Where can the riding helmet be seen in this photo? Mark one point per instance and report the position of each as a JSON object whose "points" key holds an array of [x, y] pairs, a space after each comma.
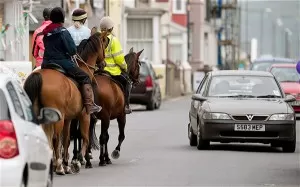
{"points": [[79, 14], [57, 15], [106, 23], [46, 13]]}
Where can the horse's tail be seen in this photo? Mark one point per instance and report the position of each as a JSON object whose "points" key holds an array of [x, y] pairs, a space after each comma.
{"points": [[94, 143], [33, 88]]}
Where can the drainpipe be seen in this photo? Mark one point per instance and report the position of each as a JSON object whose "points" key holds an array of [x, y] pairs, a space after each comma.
{"points": [[188, 29], [220, 49]]}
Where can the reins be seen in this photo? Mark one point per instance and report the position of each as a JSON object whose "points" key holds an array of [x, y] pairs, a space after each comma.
{"points": [[78, 57]]}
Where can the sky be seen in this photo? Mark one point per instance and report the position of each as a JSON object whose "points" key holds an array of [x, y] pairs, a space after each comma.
{"points": [[263, 15]]}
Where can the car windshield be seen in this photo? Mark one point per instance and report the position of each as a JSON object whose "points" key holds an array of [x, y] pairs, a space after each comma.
{"points": [[144, 70], [286, 74], [264, 66], [4, 111], [244, 86]]}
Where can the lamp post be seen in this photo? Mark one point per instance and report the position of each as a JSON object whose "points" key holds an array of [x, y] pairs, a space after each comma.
{"points": [[266, 10]]}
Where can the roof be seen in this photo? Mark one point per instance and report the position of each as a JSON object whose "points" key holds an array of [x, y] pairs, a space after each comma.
{"points": [[284, 65], [269, 59], [241, 73]]}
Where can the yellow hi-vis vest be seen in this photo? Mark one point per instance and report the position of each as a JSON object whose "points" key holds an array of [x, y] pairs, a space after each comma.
{"points": [[114, 57]]}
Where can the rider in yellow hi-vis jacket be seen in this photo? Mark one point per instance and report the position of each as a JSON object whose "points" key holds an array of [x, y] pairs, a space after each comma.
{"points": [[115, 61]]}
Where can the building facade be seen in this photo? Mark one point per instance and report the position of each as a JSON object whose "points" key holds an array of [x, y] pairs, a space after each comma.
{"points": [[202, 36], [14, 24]]}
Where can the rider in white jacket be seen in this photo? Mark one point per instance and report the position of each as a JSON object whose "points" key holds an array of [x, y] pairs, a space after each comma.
{"points": [[78, 31]]}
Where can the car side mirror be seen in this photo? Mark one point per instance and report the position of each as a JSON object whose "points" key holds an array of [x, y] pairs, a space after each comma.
{"points": [[198, 97], [289, 98], [49, 116], [159, 77]]}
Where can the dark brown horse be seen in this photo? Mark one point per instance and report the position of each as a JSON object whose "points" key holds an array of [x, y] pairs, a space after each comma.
{"points": [[52, 88], [110, 96]]}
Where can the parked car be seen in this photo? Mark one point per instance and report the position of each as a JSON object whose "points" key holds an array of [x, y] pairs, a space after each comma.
{"points": [[289, 79], [25, 155], [264, 63], [147, 92], [241, 106]]}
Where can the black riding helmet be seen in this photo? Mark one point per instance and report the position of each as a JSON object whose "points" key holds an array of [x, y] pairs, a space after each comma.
{"points": [[46, 13], [57, 15]]}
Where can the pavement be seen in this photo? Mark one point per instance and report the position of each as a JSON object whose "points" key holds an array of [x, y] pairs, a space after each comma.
{"points": [[156, 152]]}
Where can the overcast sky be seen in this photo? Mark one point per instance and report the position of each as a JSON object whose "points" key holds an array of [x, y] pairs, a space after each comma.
{"points": [[286, 10]]}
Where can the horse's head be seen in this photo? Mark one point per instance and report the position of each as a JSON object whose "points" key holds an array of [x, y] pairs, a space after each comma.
{"points": [[92, 50], [133, 65]]}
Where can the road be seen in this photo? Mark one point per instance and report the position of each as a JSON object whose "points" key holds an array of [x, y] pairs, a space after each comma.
{"points": [[156, 153]]}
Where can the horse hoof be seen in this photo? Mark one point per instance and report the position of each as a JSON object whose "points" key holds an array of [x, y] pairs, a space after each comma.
{"points": [[115, 154], [82, 162], [68, 170], [108, 162], [90, 156], [88, 166], [60, 172], [101, 163], [75, 167]]}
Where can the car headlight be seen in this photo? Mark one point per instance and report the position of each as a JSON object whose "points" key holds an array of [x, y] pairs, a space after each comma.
{"points": [[278, 117], [209, 115]]}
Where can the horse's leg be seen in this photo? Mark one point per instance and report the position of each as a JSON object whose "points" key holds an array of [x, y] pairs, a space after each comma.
{"points": [[103, 140], [121, 123], [106, 156], [84, 129], [57, 147], [80, 155], [73, 130], [66, 144]]}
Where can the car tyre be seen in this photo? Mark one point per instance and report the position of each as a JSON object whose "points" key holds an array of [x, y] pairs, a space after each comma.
{"points": [[192, 136], [201, 144], [289, 147], [158, 100], [151, 105]]}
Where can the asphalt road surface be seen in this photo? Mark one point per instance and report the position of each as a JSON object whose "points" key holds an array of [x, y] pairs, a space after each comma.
{"points": [[156, 152]]}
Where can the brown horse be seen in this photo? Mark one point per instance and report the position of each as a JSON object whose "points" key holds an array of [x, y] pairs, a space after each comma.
{"points": [[51, 87], [111, 97]]}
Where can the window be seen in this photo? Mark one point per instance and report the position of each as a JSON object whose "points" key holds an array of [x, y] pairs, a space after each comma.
{"points": [[202, 83], [179, 6], [286, 74], [244, 86], [206, 48], [144, 72], [15, 99], [140, 35], [26, 102], [4, 112]]}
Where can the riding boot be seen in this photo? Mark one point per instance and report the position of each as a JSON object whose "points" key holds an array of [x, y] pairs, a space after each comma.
{"points": [[127, 98], [88, 99]]}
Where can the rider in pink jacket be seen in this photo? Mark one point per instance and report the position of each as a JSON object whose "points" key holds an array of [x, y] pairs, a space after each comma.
{"points": [[37, 39]]}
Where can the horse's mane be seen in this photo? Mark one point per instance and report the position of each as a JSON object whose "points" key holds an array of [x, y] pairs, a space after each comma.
{"points": [[89, 46]]}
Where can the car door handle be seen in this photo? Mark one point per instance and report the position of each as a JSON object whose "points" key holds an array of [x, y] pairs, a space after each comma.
{"points": [[26, 137]]}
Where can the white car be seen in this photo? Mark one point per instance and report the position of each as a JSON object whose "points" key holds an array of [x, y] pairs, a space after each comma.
{"points": [[25, 155]]}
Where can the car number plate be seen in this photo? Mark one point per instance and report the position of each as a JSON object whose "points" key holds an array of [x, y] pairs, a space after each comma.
{"points": [[249, 127]]}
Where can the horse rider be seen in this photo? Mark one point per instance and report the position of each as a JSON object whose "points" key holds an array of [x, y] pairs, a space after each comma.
{"points": [[61, 49], [78, 31], [37, 39], [115, 61]]}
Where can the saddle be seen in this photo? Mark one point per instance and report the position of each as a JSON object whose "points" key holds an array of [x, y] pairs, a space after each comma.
{"points": [[58, 68], [114, 79]]}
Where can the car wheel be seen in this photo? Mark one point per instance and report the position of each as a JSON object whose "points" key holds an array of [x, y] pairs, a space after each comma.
{"points": [[192, 136], [151, 105], [201, 144], [289, 147], [158, 101]]}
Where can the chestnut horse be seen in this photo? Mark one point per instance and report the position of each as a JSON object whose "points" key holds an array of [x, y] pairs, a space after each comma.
{"points": [[51, 87], [110, 97]]}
